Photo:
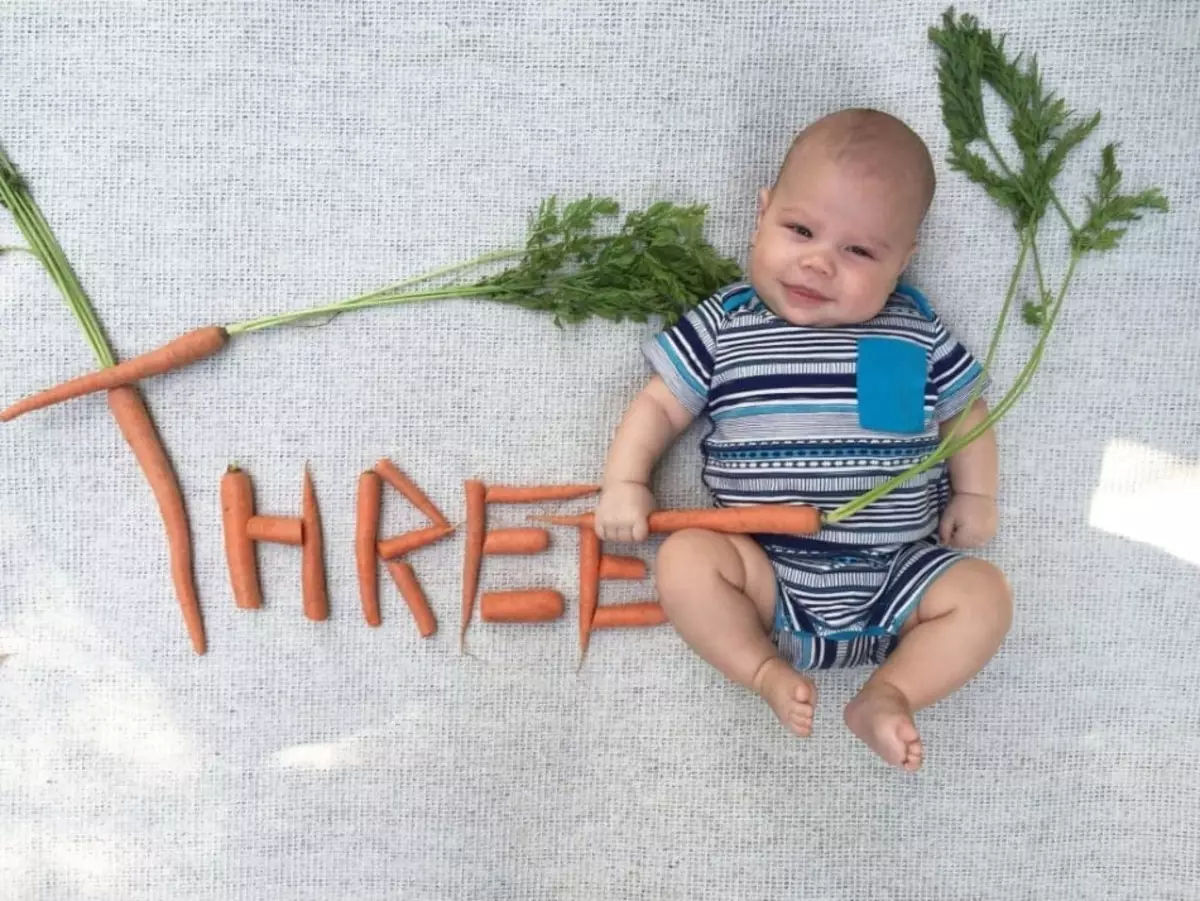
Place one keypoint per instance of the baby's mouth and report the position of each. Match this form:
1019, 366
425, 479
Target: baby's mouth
802, 296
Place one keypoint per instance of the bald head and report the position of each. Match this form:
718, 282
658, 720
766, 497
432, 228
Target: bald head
873, 144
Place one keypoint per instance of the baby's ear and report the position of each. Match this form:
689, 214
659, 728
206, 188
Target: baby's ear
764, 200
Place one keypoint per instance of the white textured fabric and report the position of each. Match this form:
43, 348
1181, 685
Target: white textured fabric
207, 162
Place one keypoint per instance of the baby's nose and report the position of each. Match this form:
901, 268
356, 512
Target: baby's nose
818, 259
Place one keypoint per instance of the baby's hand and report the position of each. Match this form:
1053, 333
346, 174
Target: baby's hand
968, 521
622, 511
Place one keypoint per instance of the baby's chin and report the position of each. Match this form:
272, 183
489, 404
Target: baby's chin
825, 314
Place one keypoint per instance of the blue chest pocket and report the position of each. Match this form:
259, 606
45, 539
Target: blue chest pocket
891, 377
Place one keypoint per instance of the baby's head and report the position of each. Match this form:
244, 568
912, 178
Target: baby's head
839, 225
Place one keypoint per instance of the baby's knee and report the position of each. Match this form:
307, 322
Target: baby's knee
986, 591
687, 556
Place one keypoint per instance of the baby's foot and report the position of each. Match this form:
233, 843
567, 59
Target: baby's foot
790, 695
881, 717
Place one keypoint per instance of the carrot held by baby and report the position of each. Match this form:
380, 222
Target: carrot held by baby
767, 519
657, 264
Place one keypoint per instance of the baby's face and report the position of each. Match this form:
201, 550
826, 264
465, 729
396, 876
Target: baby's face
831, 242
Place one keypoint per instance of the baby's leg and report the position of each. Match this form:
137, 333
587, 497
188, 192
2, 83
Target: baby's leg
959, 624
719, 593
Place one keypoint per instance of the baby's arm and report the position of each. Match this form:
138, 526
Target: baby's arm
970, 517
653, 421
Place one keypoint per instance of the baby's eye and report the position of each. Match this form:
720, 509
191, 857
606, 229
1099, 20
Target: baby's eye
802, 230
861, 252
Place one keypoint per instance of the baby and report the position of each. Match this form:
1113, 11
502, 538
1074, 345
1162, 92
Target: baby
823, 376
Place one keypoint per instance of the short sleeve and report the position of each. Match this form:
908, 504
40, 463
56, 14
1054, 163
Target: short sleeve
955, 374
683, 354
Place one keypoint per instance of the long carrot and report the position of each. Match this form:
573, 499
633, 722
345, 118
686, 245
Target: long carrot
777, 519
188, 348
399, 545
643, 613
313, 590
410, 589
406, 486
366, 533
516, 541
613, 566
589, 584
531, 494
476, 497
237, 506
277, 529
525, 605
139, 432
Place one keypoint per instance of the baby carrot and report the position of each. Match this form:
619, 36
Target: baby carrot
313, 589
526, 605
133, 419
237, 507
530, 494
516, 541
476, 496
276, 529
410, 589
778, 519
366, 533
644, 613
589, 584
613, 566
188, 348
399, 545
406, 486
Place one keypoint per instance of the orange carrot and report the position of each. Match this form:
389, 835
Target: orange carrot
526, 605
410, 589
409, 489
476, 496
314, 592
276, 529
613, 566
778, 519
516, 541
188, 348
366, 533
129, 410
644, 613
589, 584
237, 507
531, 494
399, 545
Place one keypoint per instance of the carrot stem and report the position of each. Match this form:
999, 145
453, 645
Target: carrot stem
366, 534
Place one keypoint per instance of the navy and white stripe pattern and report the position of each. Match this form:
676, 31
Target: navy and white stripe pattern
784, 405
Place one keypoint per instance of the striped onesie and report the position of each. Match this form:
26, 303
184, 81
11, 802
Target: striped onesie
818, 416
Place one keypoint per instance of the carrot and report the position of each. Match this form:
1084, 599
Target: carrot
313, 589
188, 348
399, 545
409, 489
406, 581
366, 533
516, 541
476, 496
613, 616
277, 529
613, 566
526, 605
777, 519
129, 410
589, 584
237, 507
531, 494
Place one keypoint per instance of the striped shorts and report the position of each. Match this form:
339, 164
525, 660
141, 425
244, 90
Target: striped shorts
845, 607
